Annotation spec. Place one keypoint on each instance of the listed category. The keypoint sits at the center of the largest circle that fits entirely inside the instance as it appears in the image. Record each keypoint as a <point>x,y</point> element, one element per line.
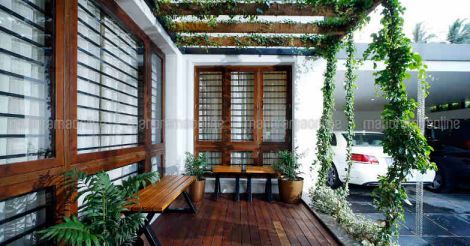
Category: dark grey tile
<point>448,241</point>
<point>429,227</point>
<point>453,223</point>
<point>466,217</point>
<point>411,241</point>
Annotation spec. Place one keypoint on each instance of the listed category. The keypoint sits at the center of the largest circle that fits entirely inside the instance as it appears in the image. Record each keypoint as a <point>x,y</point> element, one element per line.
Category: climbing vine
<point>349,87</point>
<point>391,47</point>
<point>324,154</point>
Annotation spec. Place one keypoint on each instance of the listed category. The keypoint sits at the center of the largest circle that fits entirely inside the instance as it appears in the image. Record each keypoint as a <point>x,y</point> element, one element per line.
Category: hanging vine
<point>392,47</point>
<point>324,154</point>
<point>349,87</point>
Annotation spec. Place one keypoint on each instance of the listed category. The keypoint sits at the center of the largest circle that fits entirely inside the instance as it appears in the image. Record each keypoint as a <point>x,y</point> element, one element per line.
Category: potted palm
<point>196,166</point>
<point>290,184</point>
<point>101,220</point>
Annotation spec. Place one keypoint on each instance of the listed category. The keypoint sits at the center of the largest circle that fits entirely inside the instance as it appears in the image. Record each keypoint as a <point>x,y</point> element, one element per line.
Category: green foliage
<point>324,154</point>
<point>101,220</point>
<point>196,165</point>
<point>420,35</point>
<point>328,201</point>
<point>392,47</point>
<point>288,164</point>
<point>459,32</point>
<point>349,87</point>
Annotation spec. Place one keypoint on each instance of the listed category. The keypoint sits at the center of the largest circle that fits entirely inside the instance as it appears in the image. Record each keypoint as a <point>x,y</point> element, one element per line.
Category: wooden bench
<point>250,172</point>
<point>157,198</point>
<point>261,171</point>
<point>227,171</point>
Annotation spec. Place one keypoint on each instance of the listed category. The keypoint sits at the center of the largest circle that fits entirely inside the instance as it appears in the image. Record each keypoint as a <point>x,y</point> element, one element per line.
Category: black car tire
<point>333,180</point>
<point>441,182</point>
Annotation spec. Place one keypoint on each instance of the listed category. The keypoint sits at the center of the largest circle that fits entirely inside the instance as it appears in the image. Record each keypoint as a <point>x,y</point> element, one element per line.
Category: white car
<point>368,160</point>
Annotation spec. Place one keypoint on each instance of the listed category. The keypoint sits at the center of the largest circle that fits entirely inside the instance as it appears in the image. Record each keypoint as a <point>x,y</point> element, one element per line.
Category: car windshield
<point>366,139</point>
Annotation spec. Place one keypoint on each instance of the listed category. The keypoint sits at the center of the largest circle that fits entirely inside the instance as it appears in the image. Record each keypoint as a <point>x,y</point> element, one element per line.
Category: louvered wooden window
<point>26,39</point>
<point>109,82</point>
<point>242,114</point>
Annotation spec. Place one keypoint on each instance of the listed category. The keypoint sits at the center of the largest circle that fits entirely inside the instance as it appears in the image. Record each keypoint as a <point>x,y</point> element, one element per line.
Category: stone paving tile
<point>453,223</point>
<point>447,241</point>
<point>411,241</point>
<point>446,221</point>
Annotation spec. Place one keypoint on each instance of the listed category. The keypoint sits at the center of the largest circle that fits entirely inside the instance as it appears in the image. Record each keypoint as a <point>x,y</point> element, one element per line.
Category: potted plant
<point>290,184</point>
<point>196,166</point>
<point>101,220</point>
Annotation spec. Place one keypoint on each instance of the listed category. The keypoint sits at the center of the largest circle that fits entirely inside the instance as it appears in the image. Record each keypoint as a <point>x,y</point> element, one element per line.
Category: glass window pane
<point>21,217</point>
<point>210,106</point>
<point>274,106</point>
<point>25,90</point>
<point>156,163</point>
<point>109,82</point>
<point>241,158</point>
<point>242,105</point>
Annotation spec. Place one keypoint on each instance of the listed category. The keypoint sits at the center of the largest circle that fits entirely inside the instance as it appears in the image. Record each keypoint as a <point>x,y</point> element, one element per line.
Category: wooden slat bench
<point>157,198</point>
<point>250,172</point>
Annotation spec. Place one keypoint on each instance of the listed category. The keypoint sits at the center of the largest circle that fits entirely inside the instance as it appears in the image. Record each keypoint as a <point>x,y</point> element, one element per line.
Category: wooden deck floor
<point>225,222</point>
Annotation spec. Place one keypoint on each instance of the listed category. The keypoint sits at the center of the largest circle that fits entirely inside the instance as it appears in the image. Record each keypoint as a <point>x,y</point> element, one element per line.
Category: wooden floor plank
<point>246,240</point>
<point>281,217</point>
<point>227,234</point>
<point>315,225</point>
<point>226,222</point>
<point>253,225</point>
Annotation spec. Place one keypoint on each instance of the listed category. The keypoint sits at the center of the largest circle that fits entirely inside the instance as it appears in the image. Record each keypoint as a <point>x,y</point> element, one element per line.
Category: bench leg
<point>189,202</point>
<point>248,189</point>
<point>237,189</point>
<point>268,189</point>
<point>217,187</point>
<point>190,209</point>
<point>148,232</point>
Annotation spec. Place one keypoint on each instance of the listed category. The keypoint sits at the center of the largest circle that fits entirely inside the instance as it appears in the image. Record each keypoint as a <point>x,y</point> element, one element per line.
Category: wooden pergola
<point>249,34</point>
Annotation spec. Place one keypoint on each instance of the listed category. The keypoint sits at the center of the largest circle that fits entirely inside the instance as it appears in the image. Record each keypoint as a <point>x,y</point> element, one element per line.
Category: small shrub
<point>331,202</point>
<point>288,164</point>
<point>196,165</point>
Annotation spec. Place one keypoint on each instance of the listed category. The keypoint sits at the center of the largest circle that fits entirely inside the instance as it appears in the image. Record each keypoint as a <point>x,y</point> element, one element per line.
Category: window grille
<point>210,106</point>
<point>157,124</point>
<point>25,90</point>
<point>109,82</point>
<point>274,106</point>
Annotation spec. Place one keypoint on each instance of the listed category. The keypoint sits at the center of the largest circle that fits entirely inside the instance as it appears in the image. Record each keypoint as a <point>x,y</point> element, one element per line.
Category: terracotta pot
<point>290,191</point>
<point>196,190</point>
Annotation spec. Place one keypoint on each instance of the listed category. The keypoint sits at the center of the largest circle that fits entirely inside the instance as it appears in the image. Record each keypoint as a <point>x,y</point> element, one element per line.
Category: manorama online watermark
<point>376,125</point>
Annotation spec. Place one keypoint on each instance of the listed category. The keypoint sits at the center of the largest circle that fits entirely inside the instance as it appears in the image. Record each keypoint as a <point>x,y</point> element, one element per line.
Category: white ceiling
<point>445,87</point>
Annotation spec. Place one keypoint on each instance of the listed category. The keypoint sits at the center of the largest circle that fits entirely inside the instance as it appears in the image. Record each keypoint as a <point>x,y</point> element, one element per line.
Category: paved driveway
<point>446,216</point>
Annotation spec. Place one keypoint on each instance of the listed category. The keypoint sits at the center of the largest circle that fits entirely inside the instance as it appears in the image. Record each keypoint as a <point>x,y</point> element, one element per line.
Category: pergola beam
<point>256,27</point>
<point>246,41</point>
<point>229,8</point>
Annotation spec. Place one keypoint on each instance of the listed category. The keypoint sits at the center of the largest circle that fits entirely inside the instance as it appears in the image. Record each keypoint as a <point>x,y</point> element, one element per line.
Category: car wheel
<point>333,180</point>
<point>441,182</point>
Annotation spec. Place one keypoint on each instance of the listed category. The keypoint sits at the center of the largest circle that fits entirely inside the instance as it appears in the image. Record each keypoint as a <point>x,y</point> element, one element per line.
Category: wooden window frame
<point>226,145</point>
<point>24,177</point>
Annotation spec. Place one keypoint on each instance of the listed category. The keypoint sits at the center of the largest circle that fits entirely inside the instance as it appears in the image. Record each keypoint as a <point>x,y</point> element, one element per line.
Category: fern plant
<point>288,164</point>
<point>101,219</point>
<point>196,165</point>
